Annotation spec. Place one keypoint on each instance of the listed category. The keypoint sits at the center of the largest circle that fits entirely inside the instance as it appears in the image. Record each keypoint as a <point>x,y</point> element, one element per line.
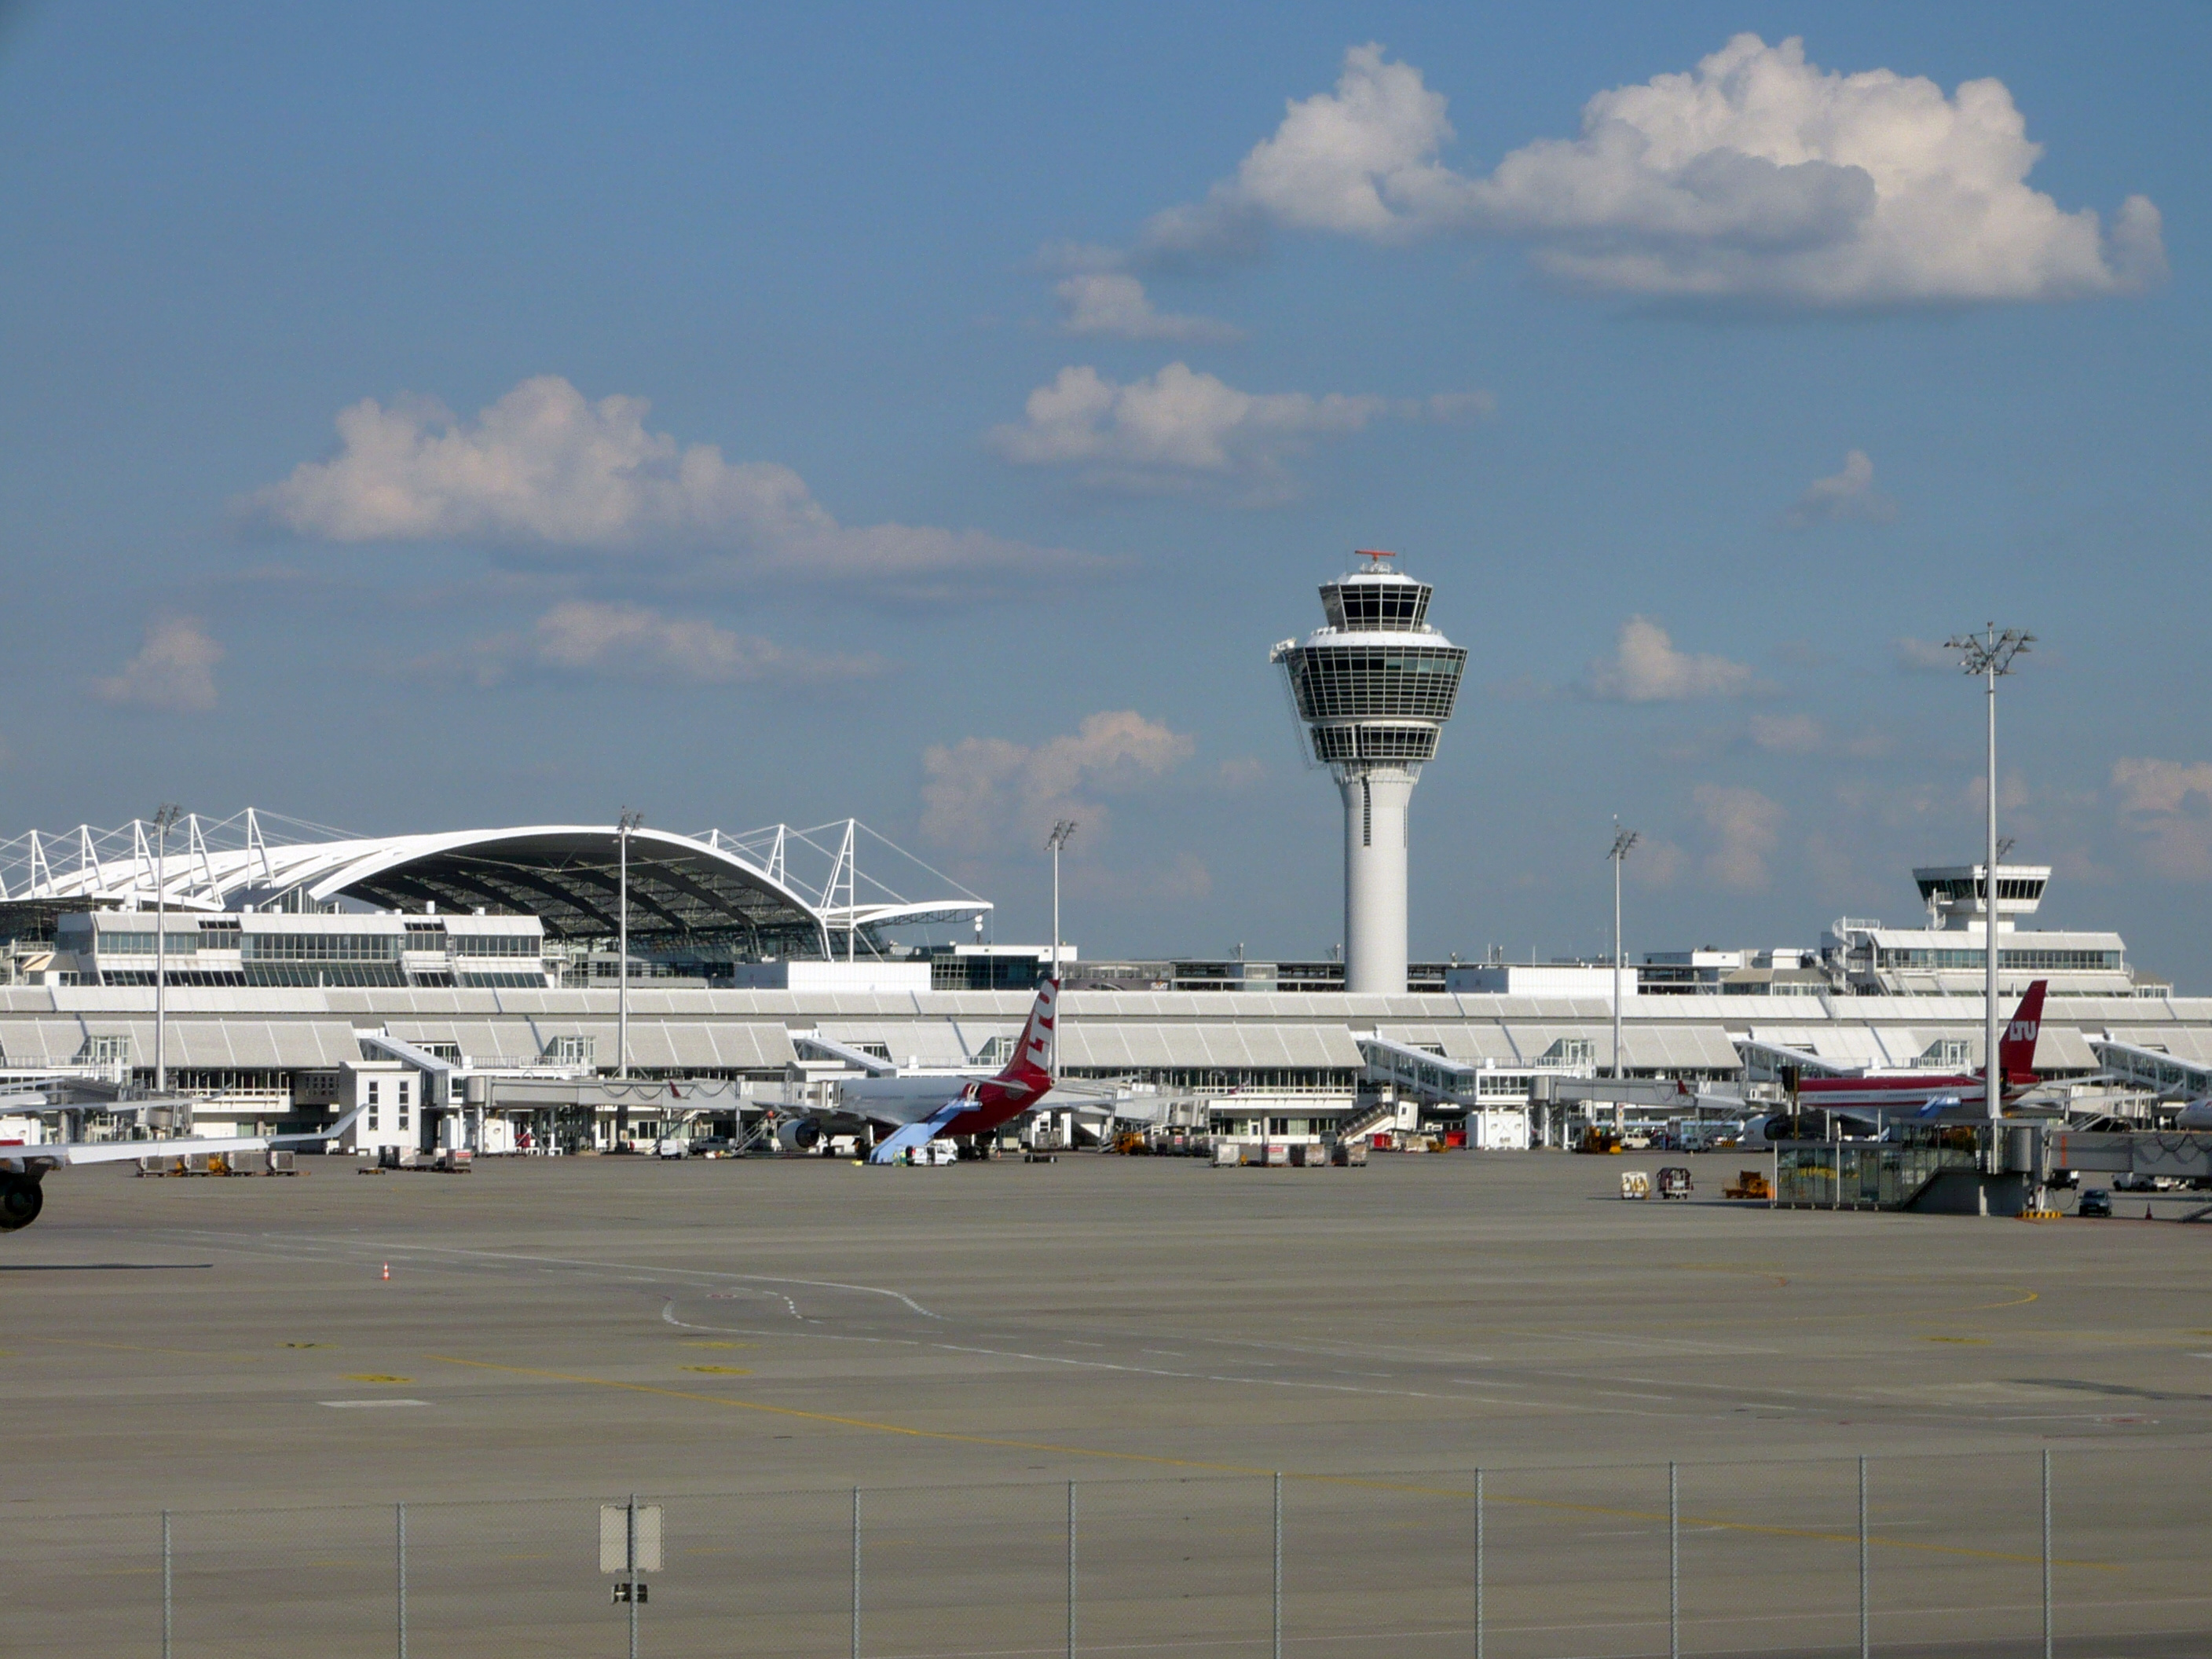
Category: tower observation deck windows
<point>1332,743</point>
<point>1351,682</point>
<point>1964,889</point>
<point>1375,607</point>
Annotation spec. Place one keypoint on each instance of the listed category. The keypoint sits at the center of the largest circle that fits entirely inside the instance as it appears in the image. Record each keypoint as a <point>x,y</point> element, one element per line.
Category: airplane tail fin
<point>2016,1049</point>
<point>1033,1056</point>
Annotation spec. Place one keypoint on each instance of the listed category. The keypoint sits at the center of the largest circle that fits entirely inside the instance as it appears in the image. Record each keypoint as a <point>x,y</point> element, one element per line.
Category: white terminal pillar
<point>1374,686</point>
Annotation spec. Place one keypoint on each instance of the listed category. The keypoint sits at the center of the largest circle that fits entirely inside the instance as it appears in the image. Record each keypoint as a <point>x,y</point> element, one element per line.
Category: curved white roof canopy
<point>680,886</point>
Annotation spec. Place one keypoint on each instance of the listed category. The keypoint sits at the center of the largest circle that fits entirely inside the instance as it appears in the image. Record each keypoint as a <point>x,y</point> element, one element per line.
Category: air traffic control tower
<point>1373,687</point>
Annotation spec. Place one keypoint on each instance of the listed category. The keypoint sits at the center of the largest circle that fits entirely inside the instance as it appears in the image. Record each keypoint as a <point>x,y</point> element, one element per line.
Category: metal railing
<point>2017,1552</point>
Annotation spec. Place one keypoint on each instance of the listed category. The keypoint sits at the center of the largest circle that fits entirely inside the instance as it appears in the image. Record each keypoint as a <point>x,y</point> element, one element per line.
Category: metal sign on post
<point>614,1537</point>
<point>629,1544</point>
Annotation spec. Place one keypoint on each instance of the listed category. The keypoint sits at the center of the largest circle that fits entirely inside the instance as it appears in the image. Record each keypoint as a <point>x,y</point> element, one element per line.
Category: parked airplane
<point>918,1109</point>
<point>1868,1096</point>
<point>23,1167</point>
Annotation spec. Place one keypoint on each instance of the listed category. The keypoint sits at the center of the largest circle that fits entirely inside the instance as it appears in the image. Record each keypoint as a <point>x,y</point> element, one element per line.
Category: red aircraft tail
<point>1032,1060</point>
<point>2016,1047</point>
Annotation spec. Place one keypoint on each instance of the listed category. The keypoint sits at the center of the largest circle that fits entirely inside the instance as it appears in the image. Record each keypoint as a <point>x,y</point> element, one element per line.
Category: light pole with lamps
<point>163,817</point>
<point>1062,833</point>
<point>624,827</point>
<point>1989,654</point>
<point>1622,840</point>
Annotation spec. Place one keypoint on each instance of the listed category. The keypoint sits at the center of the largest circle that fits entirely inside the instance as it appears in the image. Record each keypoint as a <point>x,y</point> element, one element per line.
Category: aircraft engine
<point>799,1134</point>
<point>20,1201</point>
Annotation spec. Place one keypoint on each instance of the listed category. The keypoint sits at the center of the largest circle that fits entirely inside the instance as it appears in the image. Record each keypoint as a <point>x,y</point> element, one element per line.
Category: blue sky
<point>992,386</point>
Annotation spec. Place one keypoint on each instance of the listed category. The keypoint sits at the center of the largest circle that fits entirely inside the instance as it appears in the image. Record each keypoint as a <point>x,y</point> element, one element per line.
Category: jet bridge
<point>1975,1168</point>
<point>1655,1093</point>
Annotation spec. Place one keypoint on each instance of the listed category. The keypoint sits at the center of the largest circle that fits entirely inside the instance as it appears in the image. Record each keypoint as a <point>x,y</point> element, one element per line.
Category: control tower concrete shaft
<point>1373,687</point>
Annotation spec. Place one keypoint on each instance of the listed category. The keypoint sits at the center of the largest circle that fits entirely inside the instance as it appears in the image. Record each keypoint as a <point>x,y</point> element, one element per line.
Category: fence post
<point>1866,1633</point>
<point>856,1573</point>
<point>167,1604</point>
<point>1277,1648</point>
<point>1673,1568</point>
<point>2046,1553</point>
<point>1478,1564</point>
<point>1071,1569</point>
<point>399,1554</point>
<point>629,1555</point>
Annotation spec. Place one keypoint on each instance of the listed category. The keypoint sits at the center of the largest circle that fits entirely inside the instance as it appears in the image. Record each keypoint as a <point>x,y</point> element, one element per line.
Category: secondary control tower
<point>1373,687</point>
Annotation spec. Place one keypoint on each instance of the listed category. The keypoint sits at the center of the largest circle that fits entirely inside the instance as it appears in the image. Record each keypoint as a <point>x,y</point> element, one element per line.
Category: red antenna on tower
<point>1372,553</point>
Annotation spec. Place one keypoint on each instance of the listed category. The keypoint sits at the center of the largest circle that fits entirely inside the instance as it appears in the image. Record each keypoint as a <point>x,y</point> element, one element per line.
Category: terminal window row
<point>495,944</point>
<point>2062,961</point>
<point>142,945</point>
<point>320,947</point>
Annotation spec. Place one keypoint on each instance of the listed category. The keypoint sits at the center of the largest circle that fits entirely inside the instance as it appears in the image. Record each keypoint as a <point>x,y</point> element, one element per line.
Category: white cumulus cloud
<point>173,671</point>
<point>1757,175</point>
<point>1645,667</point>
<point>1360,162</point>
<point>990,792</point>
<point>1180,425</point>
<point>1787,734</point>
<point>2167,805</point>
<point>1842,498</point>
<point>1115,303</point>
<point>1746,827</point>
<point>604,640</point>
<point>545,467</point>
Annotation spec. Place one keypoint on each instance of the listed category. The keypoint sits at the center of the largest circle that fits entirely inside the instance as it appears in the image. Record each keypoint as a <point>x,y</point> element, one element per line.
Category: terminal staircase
<point>1364,1123</point>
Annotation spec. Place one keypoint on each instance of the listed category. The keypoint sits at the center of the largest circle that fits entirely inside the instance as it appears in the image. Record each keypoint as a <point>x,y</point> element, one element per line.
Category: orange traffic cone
<point>388,1265</point>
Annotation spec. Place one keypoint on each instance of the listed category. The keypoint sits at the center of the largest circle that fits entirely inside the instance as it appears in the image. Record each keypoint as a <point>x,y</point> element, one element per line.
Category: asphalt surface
<point>745,1342</point>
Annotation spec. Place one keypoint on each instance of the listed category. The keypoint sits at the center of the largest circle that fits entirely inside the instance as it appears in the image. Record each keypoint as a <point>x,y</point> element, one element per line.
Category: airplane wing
<point>26,1160</point>
<point>920,1132</point>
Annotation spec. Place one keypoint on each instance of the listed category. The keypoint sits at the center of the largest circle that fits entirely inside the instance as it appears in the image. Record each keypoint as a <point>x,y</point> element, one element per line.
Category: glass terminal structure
<point>1373,687</point>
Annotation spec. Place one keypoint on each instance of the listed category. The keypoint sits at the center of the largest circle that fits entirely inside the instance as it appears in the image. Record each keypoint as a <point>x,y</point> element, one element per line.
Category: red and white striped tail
<point>1032,1057</point>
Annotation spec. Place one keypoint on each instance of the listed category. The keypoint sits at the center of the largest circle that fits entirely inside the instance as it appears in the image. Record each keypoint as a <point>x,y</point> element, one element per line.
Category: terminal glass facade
<point>1867,1175</point>
<point>2032,960</point>
<point>495,944</point>
<point>320,947</point>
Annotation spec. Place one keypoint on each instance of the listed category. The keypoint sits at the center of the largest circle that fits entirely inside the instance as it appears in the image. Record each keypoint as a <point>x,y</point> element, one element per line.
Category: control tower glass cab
<point>1373,687</point>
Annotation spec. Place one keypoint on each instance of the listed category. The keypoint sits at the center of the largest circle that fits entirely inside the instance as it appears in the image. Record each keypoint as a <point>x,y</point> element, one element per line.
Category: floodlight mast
<point>1989,654</point>
<point>1062,833</point>
<point>625,826</point>
<point>1622,840</point>
<point>164,817</point>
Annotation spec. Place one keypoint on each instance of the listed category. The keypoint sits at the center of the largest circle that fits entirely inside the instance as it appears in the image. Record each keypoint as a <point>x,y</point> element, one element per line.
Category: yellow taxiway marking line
<point>374,1376</point>
<point>140,1348</point>
<point>2017,1302</point>
<point>901,1429</point>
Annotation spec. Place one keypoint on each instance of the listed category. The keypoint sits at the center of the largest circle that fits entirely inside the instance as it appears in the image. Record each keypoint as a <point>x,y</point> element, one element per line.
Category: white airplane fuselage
<point>906,1099</point>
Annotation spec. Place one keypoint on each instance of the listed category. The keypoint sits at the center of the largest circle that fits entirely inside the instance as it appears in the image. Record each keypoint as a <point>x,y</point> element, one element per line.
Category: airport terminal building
<point>467,985</point>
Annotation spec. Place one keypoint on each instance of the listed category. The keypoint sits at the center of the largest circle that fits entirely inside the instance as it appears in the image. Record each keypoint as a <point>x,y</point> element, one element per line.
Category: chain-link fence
<point>2075,1552</point>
